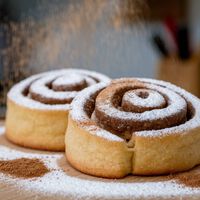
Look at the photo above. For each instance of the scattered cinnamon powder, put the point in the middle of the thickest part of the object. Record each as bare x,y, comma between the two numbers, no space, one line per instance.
189,180
23,168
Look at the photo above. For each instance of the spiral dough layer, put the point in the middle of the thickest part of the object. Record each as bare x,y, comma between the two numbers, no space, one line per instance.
132,105
38,107
56,88
138,126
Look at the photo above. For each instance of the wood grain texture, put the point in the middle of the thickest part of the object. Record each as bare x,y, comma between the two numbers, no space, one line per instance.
10,191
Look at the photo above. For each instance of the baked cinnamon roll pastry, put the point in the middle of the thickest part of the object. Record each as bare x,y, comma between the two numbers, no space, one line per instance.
37,107
133,126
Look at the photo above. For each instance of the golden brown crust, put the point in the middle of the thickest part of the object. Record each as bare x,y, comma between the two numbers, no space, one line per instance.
87,153
38,129
177,152
112,159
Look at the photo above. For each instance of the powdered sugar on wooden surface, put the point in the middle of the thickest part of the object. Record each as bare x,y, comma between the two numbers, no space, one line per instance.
15,94
66,185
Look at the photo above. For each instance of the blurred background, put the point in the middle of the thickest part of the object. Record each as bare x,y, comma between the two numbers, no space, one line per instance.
141,38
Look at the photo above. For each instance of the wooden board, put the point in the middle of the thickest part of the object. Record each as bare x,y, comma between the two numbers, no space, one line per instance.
64,182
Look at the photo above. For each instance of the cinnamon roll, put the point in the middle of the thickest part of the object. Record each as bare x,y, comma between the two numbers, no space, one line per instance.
37,107
133,126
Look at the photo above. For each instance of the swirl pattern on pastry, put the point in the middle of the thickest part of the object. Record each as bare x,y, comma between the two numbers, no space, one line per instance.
139,106
54,89
133,126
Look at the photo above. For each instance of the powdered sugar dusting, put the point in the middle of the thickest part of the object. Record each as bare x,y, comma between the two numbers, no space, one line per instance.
37,85
80,115
153,99
188,125
69,79
68,186
177,102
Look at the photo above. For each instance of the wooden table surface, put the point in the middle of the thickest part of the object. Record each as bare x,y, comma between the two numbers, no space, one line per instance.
10,190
